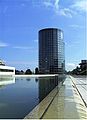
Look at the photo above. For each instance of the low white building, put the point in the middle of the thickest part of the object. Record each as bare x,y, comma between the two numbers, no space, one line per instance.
6,70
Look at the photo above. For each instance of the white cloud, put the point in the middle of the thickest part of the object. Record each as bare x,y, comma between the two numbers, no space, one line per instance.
57,9
65,12
70,66
48,4
73,44
80,5
21,62
69,11
3,44
36,40
56,4
75,26
22,47
51,3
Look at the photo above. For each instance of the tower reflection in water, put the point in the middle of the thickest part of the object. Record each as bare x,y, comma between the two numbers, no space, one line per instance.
47,84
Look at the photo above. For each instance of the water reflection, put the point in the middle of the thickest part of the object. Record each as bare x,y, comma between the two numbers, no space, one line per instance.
18,99
47,84
7,80
28,79
36,79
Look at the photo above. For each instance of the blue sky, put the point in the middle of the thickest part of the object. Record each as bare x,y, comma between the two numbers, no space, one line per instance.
20,21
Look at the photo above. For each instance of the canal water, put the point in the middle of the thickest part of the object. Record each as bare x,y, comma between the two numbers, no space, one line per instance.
18,96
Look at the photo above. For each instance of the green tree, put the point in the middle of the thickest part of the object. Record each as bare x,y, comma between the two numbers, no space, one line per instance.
36,70
28,71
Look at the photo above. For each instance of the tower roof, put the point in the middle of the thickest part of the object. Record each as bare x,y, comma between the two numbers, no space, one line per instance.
50,29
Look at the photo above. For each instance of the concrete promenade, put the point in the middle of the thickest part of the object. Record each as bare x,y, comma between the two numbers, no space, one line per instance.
66,101
81,84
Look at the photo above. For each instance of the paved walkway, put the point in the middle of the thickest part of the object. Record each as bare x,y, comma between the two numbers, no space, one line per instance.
81,84
65,103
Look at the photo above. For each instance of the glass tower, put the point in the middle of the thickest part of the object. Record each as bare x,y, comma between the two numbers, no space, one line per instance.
51,51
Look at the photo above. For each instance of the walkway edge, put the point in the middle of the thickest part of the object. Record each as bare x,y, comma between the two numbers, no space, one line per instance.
72,78
41,108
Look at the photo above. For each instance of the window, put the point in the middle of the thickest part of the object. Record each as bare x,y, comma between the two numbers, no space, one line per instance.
6,70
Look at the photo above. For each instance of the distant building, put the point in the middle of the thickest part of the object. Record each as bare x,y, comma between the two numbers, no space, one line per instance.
83,66
2,63
6,70
51,51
